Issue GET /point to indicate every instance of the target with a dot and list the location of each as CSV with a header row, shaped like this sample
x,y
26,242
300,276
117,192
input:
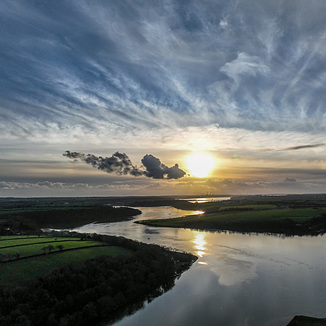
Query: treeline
x,y
67,217
100,289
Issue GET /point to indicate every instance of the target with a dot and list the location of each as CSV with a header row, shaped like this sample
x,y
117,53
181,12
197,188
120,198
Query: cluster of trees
x,y
30,221
74,217
9,257
15,256
95,290
50,248
16,225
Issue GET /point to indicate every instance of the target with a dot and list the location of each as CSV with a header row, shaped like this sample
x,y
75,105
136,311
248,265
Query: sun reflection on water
x,y
200,243
198,212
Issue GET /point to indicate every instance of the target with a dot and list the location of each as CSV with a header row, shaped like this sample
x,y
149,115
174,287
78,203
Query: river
x,y
238,280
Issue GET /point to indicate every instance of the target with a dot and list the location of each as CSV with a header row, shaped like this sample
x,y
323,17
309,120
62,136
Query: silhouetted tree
x,y
50,248
60,247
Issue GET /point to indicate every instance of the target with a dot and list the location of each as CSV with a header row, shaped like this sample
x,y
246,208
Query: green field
x,y
6,241
11,237
24,268
36,249
295,214
251,207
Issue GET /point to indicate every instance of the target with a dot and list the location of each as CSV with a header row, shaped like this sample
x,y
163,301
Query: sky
x,y
104,98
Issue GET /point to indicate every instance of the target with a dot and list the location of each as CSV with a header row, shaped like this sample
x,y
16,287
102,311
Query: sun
x,y
200,164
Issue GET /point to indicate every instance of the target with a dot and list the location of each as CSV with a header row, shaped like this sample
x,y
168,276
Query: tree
x,y
50,248
60,247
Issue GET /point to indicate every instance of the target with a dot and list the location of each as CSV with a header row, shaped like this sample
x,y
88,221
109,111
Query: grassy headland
x,y
290,215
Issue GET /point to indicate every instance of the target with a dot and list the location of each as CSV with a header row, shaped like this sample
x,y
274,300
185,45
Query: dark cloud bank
x,y
121,164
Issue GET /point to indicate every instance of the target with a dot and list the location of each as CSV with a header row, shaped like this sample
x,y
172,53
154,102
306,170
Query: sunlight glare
x,y
200,164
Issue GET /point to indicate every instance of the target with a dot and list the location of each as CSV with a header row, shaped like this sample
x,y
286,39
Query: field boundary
x,y
21,238
55,252
34,243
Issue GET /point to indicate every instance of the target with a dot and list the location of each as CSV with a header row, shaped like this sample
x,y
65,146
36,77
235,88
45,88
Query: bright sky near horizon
x,y
242,82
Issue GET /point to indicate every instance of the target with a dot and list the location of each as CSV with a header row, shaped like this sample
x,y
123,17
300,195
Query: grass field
x,y
21,270
11,237
36,249
295,214
6,241
252,207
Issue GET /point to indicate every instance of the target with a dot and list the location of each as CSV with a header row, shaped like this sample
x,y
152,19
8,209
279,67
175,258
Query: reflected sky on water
x,y
238,279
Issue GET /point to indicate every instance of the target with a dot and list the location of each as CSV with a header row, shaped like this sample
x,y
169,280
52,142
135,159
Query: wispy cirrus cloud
x,y
116,65
231,77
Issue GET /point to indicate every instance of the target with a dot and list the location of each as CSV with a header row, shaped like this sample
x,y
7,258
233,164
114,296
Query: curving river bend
x,y
238,280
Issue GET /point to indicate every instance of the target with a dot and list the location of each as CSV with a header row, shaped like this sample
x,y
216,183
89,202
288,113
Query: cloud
x,y
290,180
111,74
244,64
295,148
115,66
120,163
48,188
157,170
224,23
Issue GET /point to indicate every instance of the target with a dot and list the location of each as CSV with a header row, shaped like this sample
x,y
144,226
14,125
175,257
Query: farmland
x,y
80,279
26,258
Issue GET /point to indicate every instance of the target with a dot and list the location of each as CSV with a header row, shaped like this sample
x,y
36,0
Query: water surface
x,y
238,280
206,199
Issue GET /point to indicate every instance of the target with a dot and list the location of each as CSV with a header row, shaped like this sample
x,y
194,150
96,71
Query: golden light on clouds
x,y
200,164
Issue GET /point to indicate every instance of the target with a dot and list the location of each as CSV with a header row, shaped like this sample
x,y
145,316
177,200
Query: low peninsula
x,y
287,215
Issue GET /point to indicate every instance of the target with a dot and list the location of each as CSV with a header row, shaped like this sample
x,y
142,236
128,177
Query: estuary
x,y
238,280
